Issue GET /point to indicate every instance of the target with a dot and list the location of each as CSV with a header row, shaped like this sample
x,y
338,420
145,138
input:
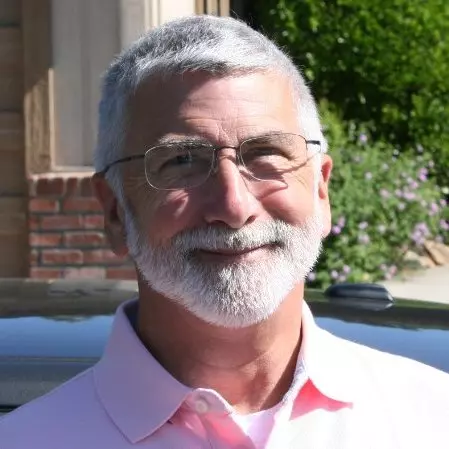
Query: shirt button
x,y
201,406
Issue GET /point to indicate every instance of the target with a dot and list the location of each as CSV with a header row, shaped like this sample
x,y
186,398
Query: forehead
x,y
221,109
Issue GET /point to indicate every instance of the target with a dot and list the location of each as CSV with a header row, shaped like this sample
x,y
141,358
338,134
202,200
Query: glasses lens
x,y
178,166
274,157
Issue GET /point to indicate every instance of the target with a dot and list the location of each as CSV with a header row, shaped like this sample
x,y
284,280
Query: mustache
x,y
253,235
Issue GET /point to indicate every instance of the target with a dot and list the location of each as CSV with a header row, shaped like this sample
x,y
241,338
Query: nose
x,y
229,200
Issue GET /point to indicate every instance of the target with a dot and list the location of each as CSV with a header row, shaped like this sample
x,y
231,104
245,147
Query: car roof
x,y
46,342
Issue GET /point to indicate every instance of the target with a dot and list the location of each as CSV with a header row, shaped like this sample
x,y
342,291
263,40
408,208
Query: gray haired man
x,y
213,175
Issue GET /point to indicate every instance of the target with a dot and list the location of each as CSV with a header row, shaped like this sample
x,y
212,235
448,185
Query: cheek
x,y
169,214
295,203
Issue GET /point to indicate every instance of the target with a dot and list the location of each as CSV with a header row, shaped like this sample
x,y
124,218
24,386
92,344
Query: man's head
x,y
225,233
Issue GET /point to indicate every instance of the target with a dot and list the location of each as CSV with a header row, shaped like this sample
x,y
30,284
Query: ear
x,y
323,193
114,223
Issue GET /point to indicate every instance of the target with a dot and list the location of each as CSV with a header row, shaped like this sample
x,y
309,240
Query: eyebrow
x,y
198,139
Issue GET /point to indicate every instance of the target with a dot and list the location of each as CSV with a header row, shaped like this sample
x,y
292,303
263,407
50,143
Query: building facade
x,y
52,55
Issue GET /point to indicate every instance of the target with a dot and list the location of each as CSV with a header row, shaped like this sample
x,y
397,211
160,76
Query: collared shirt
x,y
343,395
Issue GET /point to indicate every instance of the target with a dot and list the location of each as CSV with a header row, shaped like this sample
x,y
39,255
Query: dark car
x,y
51,331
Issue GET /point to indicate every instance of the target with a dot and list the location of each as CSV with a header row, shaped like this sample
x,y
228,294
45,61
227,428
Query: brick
x,y
94,222
61,222
85,273
43,205
89,239
124,273
34,257
77,204
72,186
101,256
85,187
45,273
61,257
50,186
39,240
34,223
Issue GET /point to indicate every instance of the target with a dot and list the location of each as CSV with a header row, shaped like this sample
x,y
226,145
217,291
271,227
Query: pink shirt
x,y
344,396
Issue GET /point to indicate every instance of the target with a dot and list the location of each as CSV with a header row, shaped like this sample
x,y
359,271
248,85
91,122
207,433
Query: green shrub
x,y
383,203
383,62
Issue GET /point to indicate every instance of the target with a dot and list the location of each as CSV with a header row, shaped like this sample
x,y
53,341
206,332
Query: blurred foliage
x,y
384,203
383,62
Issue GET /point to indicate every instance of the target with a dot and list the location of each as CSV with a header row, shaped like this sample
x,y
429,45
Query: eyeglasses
x,y
188,163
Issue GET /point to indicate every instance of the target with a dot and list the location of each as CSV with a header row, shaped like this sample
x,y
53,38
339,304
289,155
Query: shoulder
x,y
404,389
56,420
393,368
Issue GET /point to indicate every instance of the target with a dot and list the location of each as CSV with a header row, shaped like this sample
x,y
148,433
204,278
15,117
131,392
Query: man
x,y
213,175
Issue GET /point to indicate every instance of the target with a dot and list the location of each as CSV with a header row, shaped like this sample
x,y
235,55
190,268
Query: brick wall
x,y
66,236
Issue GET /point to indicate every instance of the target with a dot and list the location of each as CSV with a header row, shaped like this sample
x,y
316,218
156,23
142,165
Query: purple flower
x,y
384,193
342,278
434,208
311,276
444,225
393,269
423,228
413,185
363,225
346,269
401,206
336,230
443,203
334,274
419,234
409,196
439,239
383,267
341,222
422,174
368,175
363,138
422,177
398,193
364,239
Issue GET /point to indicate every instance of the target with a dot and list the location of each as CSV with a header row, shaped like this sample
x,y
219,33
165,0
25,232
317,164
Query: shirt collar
x,y
140,396
137,392
328,361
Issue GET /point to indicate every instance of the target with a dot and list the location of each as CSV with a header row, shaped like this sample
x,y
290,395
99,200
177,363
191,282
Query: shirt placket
x,y
219,431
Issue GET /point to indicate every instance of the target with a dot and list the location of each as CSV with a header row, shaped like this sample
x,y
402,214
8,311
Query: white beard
x,y
229,295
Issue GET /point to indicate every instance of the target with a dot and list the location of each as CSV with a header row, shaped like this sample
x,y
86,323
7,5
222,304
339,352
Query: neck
x,y
252,367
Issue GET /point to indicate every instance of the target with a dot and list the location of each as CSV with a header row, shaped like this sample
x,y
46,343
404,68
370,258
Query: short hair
x,y
219,46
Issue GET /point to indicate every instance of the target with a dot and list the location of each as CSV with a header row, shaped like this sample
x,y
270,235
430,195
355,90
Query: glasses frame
x,y
214,149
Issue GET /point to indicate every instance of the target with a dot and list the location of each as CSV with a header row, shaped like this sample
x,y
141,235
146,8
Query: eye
x,y
265,151
178,160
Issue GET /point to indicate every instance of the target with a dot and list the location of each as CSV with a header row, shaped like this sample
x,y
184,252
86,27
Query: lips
x,y
229,253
